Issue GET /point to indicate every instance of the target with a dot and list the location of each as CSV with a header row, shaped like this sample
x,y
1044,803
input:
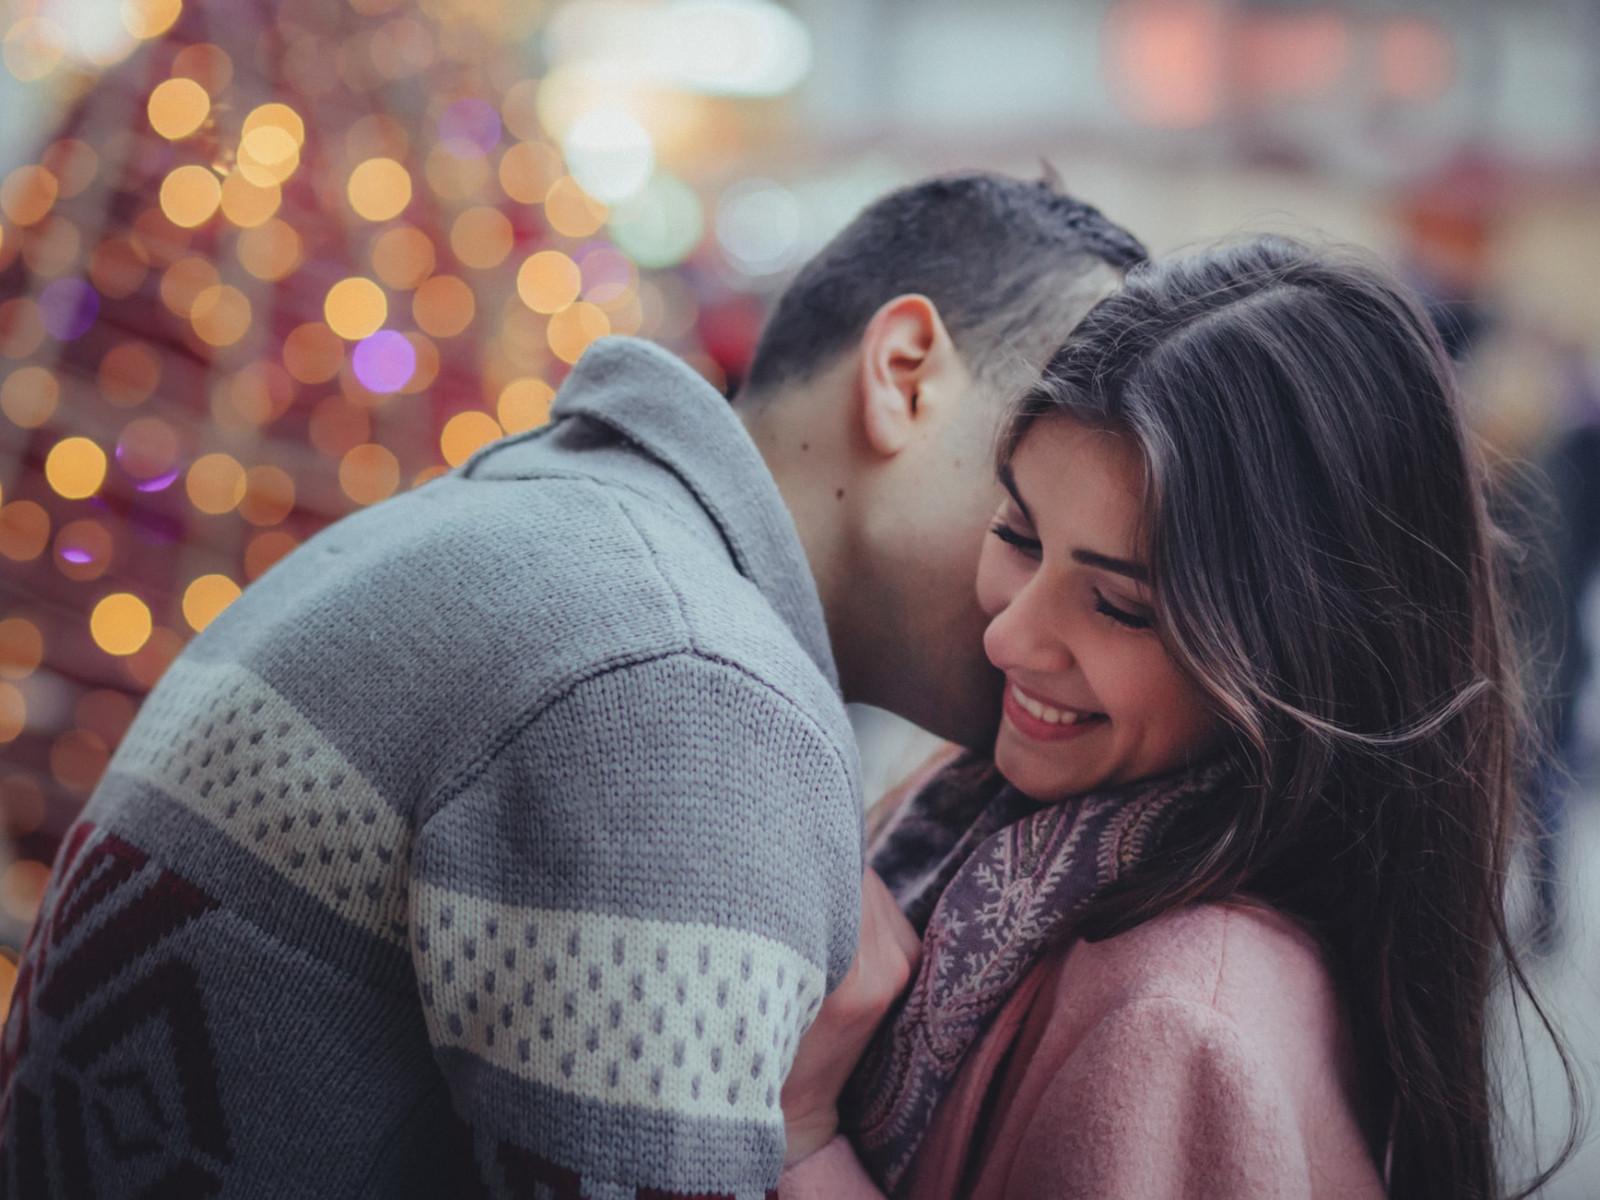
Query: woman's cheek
x,y
1133,686
1188,728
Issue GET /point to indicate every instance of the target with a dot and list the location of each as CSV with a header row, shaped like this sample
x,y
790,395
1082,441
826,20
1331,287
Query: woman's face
x,y
1092,696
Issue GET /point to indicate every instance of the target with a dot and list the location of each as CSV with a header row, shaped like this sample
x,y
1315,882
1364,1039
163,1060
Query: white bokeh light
x,y
92,31
760,224
609,153
734,47
661,225
716,47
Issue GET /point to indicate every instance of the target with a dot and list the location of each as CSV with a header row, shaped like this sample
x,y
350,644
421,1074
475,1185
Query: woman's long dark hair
x,y
1325,566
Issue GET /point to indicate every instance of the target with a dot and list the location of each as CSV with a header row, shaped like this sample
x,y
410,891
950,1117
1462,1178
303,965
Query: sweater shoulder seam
x,y
473,770
600,483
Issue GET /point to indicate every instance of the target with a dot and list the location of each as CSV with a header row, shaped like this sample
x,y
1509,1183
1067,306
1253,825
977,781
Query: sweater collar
x,y
661,405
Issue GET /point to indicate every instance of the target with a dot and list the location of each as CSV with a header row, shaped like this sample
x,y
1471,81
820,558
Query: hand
x,y
886,957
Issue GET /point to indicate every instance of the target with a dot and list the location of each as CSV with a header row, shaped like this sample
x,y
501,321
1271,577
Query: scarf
x,y
992,880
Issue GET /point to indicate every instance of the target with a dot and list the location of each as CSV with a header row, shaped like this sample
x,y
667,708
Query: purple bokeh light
x,y
469,128
385,361
68,307
159,483
76,555
153,477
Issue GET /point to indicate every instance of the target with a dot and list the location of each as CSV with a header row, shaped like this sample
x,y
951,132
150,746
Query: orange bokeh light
x,y
24,530
177,108
190,195
465,433
573,329
120,623
443,306
215,483
524,404
206,597
549,281
379,189
355,308
1164,60
21,648
220,315
268,495
313,353
28,194
128,374
403,257
270,251
527,170
75,468
571,210
369,473
481,238
117,267
13,712
29,396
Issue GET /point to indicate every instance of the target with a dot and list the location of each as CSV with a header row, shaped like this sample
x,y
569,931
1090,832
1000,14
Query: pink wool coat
x,y
1199,1055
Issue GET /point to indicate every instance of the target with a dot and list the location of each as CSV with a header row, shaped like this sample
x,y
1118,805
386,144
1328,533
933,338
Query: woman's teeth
x,y
1044,712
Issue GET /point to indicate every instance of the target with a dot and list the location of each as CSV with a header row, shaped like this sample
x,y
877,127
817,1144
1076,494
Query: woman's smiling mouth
x,y
1044,721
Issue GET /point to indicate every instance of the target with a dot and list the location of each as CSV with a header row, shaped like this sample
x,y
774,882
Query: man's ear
x,y
905,347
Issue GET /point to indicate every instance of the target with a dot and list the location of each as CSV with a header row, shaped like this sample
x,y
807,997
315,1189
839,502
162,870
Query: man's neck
x,y
812,472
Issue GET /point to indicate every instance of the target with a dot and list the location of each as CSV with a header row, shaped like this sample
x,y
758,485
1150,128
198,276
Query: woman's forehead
x,y
1082,483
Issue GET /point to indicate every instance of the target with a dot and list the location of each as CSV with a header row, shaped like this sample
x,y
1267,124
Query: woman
x,y
1228,924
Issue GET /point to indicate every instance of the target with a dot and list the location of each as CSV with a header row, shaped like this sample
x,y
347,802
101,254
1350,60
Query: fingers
x,y
889,946
878,905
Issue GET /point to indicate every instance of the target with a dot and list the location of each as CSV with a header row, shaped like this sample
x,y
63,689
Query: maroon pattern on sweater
x,y
133,1014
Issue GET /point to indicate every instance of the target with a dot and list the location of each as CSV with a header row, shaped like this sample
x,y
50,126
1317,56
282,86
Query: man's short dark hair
x,y
1010,264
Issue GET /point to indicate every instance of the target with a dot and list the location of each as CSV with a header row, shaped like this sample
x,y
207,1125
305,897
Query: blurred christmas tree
x,y
281,260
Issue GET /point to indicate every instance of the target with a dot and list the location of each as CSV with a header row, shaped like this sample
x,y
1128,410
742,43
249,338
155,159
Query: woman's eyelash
x,y
1119,615
1011,537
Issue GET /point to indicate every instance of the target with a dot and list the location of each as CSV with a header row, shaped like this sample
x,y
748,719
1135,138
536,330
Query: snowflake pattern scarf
x,y
993,880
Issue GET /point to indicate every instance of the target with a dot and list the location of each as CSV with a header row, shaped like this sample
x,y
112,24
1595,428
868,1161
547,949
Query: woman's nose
x,y
1023,637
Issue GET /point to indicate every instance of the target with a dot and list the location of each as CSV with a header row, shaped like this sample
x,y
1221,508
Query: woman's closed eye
x,y
1013,537
1122,616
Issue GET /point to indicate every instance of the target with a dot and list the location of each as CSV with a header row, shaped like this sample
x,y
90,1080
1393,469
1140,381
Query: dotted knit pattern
x,y
614,1008
220,741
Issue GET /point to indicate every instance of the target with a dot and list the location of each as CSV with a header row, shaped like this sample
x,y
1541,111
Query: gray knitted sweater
x,y
501,840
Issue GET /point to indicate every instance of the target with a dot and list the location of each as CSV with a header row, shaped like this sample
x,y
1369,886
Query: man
x,y
509,830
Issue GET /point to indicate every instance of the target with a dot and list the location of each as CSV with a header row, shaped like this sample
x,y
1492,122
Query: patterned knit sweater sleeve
x,y
623,919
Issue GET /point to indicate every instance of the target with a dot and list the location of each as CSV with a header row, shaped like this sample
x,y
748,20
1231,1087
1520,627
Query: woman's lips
x,y
1045,722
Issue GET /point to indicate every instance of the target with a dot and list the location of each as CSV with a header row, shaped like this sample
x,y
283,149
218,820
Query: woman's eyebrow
x,y
1009,482
1089,558
1105,562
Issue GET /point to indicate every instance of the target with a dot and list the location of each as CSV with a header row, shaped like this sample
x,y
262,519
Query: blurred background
x,y
264,263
